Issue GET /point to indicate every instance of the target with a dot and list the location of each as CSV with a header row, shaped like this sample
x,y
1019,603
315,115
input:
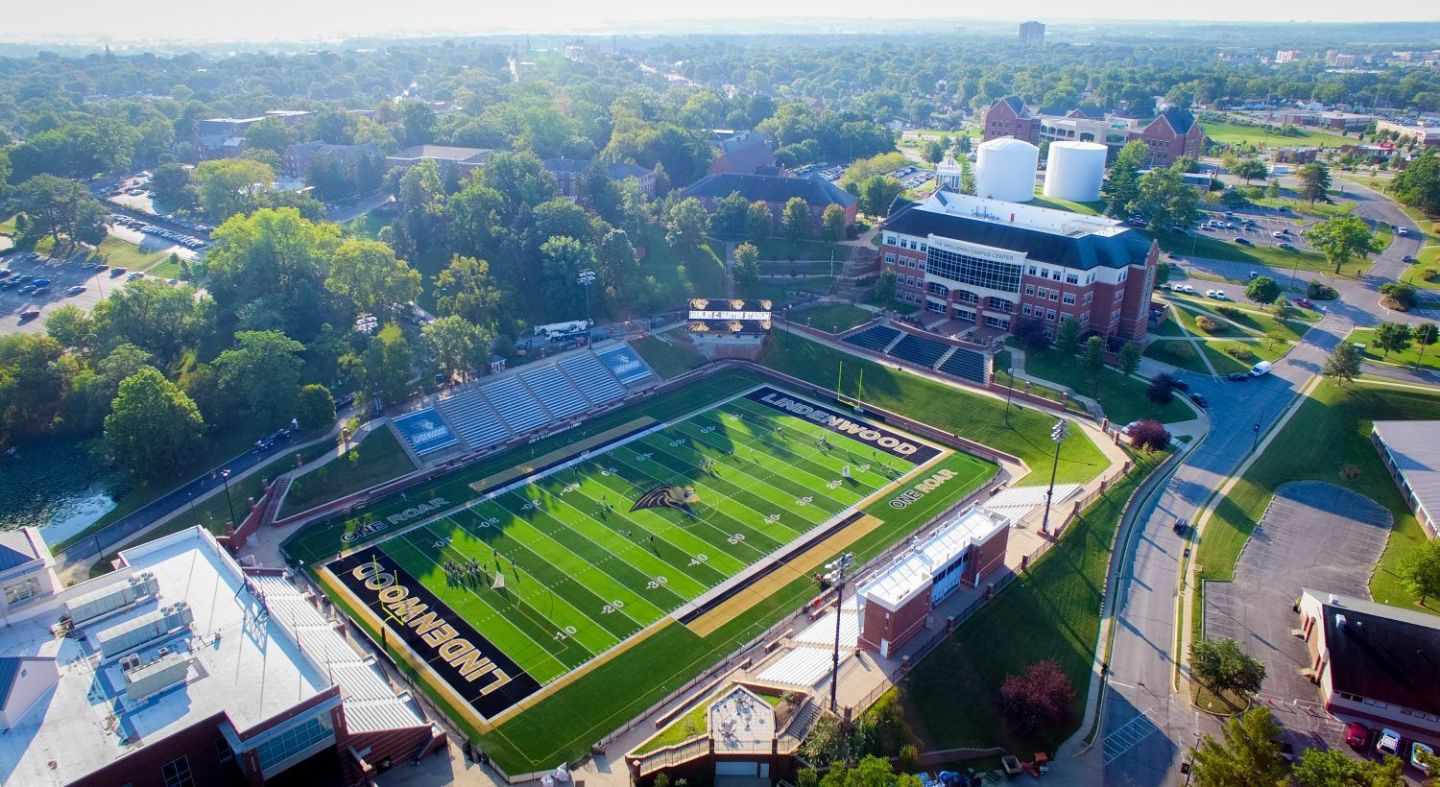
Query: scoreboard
x,y
729,316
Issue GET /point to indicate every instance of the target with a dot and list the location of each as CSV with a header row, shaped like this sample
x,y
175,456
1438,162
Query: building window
x,y
293,741
938,289
1031,270
966,296
176,773
967,269
1069,298
1029,289
1119,295
1025,310
935,306
890,240
997,322
1055,275
1072,278
1050,315
1089,296
923,247
889,259
222,750
1000,305
1054,295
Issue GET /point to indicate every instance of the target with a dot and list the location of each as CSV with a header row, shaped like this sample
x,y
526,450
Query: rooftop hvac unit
x,y
162,673
143,630
119,595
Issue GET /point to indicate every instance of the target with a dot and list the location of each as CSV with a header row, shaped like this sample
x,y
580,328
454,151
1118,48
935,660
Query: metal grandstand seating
x,y
876,338
520,410
965,364
554,391
919,351
591,377
472,417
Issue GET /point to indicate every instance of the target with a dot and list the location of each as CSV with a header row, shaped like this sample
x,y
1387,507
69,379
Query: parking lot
x,y
37,284
1258,226
1316,536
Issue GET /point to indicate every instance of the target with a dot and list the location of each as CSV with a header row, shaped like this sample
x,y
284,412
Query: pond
x,y
55,484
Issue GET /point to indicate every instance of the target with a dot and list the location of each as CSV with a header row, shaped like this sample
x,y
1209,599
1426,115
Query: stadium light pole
x,y
1057,435
225,481
838,568
585,279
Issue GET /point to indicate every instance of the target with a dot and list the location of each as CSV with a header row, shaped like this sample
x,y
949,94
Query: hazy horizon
x,y
263,21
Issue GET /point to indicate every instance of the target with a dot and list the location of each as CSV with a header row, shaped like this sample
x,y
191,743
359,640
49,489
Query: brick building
x,y
993,262
775,191
1173,134
568,171
1009,117
462,161
741,153
895,601
181,668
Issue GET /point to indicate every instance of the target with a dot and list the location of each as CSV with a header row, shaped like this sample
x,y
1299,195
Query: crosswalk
x,y
1127,736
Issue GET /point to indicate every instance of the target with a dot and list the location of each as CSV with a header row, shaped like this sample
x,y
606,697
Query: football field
x,y
506,593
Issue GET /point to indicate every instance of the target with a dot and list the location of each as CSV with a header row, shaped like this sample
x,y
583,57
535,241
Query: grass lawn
x,y
1330,432
1187,314
976,417
1245,355
1239,134
832,317
1123,398
1052,611
688,725
1168,326
704,270
1095,208
820,268
1407,358
785,249
1171,352
1427,261
379,457
1215,249
1002,375
667,359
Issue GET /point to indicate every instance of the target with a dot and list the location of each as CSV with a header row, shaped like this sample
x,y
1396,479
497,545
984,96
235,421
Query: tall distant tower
x,y
1032,34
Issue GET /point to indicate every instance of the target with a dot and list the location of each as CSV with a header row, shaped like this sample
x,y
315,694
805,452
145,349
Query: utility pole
x,y
225,480
1057,435
1009,389
836,575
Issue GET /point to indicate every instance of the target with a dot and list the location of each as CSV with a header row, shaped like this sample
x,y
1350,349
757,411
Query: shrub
x,y
1316,291
1038,697
1428,274
1161,389
1400,297
1207,324
1240,352
1149,436
1228,311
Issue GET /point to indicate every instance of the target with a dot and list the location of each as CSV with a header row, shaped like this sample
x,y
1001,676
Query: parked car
x,y
1407,258
40,292
1200,401
1261,369
1357,735
1402,232
1242,241
76,290
29,314
1238,377
116,273
1389,742
1286,246
1304,303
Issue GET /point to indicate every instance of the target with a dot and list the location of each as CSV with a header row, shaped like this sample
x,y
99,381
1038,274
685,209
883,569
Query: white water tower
x,y
1074,170
1005,170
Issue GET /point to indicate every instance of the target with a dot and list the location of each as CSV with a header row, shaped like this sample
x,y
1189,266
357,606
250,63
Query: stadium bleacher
x,y
515,404
471,416
591,377
554,390
875,338
966,364
918,350
625,363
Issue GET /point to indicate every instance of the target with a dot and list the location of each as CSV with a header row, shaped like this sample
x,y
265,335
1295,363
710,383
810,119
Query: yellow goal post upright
x,y
856,402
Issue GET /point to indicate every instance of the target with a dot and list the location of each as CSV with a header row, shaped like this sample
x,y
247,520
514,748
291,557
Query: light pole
x,y
836,575
225,480
1009,389
585,279
1057,435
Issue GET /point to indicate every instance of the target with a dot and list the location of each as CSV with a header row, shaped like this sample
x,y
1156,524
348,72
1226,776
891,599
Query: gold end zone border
x,y
560,454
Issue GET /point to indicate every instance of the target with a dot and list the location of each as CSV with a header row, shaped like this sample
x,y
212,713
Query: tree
x,y
686,224
1250,169
385,369
417,122
1123,184
832,224
1315,182
1129,358
1421,572
1031,333
171,185
1162,388
1334,768
728,218
759,220
1342,238
885,286
270,134
72,328
745,266
262,374
152,315
1150,436
1391,337
1166,199
55,206
877,192
315,408
1343,363
1036,699
456,344
562,258
466,289
273,261
153,428
795,219
33,381
1067,336
871,771
1094,361
226,187
1424,334
1248,754
1262,289
933,151
616,262
367,273
1418,185
1224,667
1398,295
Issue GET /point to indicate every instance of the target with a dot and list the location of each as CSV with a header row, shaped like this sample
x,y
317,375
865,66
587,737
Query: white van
x,y
1260,369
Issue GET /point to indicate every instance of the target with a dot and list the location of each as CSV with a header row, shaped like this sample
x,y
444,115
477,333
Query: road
x,y
1148,751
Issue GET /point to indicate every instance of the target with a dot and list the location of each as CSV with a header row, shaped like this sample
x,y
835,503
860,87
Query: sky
x,y
138,21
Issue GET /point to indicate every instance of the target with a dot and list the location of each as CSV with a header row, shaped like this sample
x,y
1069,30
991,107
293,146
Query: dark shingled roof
x,y
618,171
1384,654
1083,252
815,190
1180,119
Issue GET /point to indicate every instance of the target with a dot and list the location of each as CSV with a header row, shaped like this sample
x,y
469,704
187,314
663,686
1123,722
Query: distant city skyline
x,y
142,21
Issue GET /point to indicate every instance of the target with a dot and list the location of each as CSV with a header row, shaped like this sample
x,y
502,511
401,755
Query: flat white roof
x,y
1415,448
910,575
1017,214
246,662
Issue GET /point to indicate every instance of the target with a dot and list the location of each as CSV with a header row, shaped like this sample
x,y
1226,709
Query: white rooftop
x,y
245,660
911,573
1016,214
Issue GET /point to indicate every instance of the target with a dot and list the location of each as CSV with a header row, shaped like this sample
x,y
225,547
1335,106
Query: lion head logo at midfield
x,y
699,304
667,496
